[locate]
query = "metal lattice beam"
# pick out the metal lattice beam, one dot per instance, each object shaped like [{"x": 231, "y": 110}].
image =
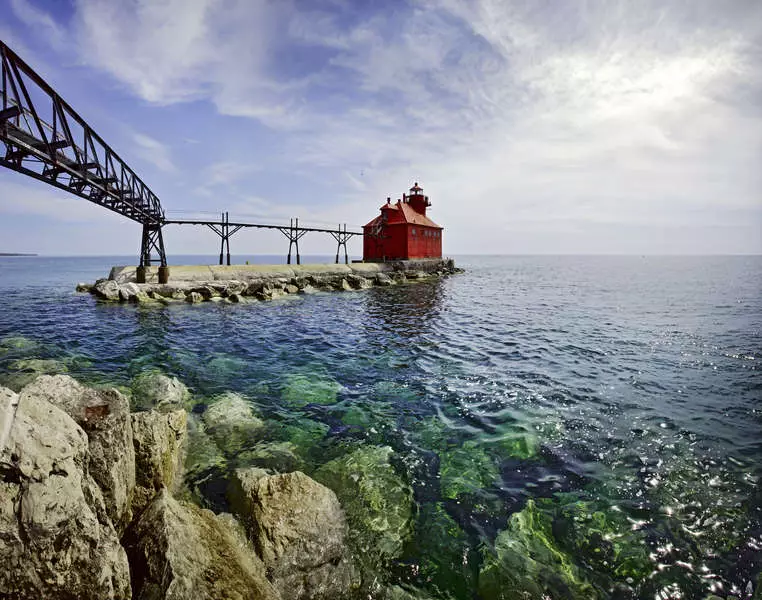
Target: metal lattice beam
[{"x": 46, "y": 139}]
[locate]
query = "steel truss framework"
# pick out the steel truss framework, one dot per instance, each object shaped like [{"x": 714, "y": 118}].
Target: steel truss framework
[
  {"x": 46, "y": 139},
  {"x": 225, "y": 229}
]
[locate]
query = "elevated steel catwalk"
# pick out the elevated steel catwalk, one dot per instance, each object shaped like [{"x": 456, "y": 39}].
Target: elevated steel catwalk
[
  {"x": 46, "y": 139},
  {"x": 224, "y": 228}
]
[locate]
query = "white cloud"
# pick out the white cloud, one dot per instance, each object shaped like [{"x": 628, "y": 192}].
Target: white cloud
[
  {"x": 154, "y": 152},
  {"x": 40, "y": 22}
]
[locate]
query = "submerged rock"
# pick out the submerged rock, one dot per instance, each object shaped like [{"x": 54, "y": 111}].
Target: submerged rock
[
  {"x": 441, "y": 551},
  {"x": 277, "y": 456},
  {"x": 299, "y": 530},
  {"x": 159, "y": 442},
  {"x": 104, "y": 415},
  {"x": 378, "y": 503},
  {"x": 601, "y": 537},
  {"x": 152, "y": 389},
  {"x": 56, "y": 540},
  {"x": 315, "y": 388},
  {"x": 466, "y": 470},
  {"x": 231, "y": 422},
  {"x": 17, "y": 344},
  {"x": 178, "y": 551},
  {"x": 39, "y": 366},
  {"x": 527, "y": 562}
]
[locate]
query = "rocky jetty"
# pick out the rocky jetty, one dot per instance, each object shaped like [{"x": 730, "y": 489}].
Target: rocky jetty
[{"x": 248, "y": 283}]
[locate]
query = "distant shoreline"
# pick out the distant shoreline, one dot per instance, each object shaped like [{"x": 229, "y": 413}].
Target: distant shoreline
[{"x": 16, "y": 254}]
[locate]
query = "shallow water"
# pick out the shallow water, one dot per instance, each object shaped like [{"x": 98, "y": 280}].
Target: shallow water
[{"x": 631, "y": 384}]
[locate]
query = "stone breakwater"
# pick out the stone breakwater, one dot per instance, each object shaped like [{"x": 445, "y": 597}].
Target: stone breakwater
[
  {"x": 99, "y": 502},
  {"x": 242, "y": 283}
]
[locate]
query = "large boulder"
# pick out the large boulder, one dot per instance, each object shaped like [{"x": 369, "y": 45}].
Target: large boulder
[
  {"x": 178, "y": 551},
  {"x": 152, "y": 389},
  {"x": 299, "y": 530},
  {"x": 231, "y": 422},
  {"x": 56, "y": 540},
  {"x": 104, "y": 415},
  {"x": 159, "y": 442},
  {"x": 378, "y": 503}
]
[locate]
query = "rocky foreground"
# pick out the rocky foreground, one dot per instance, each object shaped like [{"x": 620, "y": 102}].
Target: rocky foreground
[
  {"x": 244, "y": 283},
  {"x": 94, "y": 504}
]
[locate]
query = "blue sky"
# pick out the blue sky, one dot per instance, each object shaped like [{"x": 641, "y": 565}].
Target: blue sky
[{"x": 536, "y": 126}]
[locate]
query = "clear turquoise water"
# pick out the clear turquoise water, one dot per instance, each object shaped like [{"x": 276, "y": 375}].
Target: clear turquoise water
[{"x": 630, "y": 382}]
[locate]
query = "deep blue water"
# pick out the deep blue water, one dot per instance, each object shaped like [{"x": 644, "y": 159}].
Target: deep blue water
[{"x": 638, "y": 378}]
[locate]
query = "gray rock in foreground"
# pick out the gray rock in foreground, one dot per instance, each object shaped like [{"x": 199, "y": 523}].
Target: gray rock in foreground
[
  {"x": 104, "y": 415},
  {"x": 179, "y": 552},
  {"x": 159, "y": 440},
  {"x": 56, "y": 540},
  {"x": 299, "y": 530}
]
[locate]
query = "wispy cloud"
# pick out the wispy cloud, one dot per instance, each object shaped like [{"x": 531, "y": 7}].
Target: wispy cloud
[{"x": 154, "y": 152}]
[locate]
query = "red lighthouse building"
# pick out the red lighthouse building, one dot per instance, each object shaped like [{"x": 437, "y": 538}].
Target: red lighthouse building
[{"x": 403, "y": 231}]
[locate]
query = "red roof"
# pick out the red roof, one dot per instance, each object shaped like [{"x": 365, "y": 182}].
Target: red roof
[{"x": 404, "y": 213}]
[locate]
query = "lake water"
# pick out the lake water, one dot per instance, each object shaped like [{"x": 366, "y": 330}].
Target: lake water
[{"x": 610, "y": 408}]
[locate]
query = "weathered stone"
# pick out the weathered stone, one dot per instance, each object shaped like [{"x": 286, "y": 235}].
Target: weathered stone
[
  {"x": 178, "y": 551},
  {"x": 128, "y": 292},
  {"x": 207, "y": 292},
  {"x": 291, "y": 289},
  {"x": 84, "y": 287},
  {"x": 106, "y": 289},
  {"x": 194, "y": 297},
  {"x": 159, "y": 441},
  {"x": 204, "y": 463},
  {"x": 56, "y": 540},
  {"x": 104, "y": 415},
  {"x": 299, "y": 530},
  {"x": 152, "y": 389},
  {"x": 234, "y": 298},
  {"x": 234, "y": 287},
  {"x": 231, "y": 421},
  {"x": 383, "y": 279}
]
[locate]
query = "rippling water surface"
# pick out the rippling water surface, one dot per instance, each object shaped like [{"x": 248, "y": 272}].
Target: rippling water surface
[{"x": 620, "y": 391}]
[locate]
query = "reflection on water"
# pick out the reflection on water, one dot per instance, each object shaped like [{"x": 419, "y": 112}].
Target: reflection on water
[{"x": 603, "y": 413}]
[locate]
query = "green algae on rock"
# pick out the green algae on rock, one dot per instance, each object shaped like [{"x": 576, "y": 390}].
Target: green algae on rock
[
  {"x": 378, "y": 503},
  {"x": 441, "y": 552},
  {"x": 301, "y": 389},
  {"x": 601, "y": 536},
  {"x": 466, "y": 470},
  {"x": 527, "y": 562}
]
